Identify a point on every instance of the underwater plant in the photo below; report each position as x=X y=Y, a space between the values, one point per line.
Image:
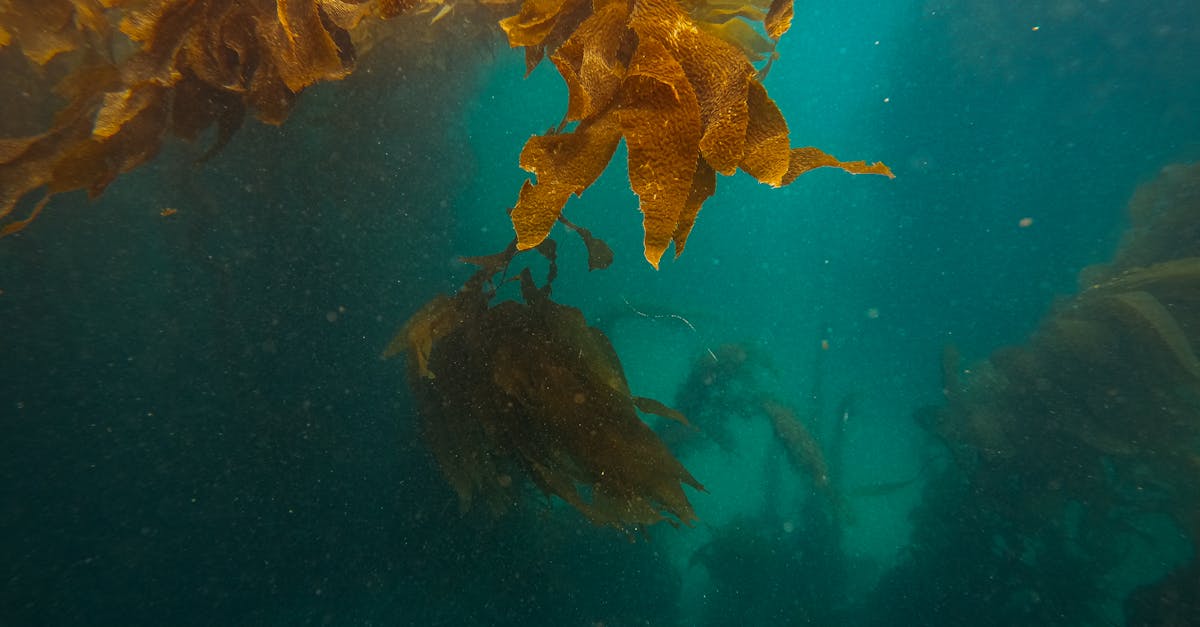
x=734 y=381
x=1065 y=445
x=520 y=392
x=675 y=80
x=510 y=391
x=140 y=69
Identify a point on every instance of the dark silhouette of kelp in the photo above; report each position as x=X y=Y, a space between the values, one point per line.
x=525 y=391
x=733 y=382
x=744 y=558
x=1064 y=446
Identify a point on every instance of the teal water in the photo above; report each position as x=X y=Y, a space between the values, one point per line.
x=198 y=428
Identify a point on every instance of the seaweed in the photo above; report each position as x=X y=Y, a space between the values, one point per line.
x=802 y=449
x=676 y=81
x=525 y=392
x=733 y=382
x=723 y=384
x=1063 y=443
x=189 y=66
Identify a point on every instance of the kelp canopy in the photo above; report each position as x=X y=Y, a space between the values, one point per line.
x=139 y=69
x=525 y=391
x=675 y=79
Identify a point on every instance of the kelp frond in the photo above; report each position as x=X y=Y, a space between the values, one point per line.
x=191 y=65
x=526 y=392
x=677 y=82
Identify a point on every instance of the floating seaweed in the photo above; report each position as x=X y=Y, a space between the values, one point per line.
x=525 y=391
x=676 y=81
x=191 y=65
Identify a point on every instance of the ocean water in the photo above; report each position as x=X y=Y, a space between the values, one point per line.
x=198 y=428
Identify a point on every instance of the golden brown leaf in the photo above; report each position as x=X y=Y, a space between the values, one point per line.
x=718 y=71
x=592 y=61
x=347 y=15
x=304 y=47
x=802 y=449
x=779 y=18
x=17 y=225
x=565 y=164
x=740 y=33
x=703 y=185
x=1141 y=310
x=12 y=148
x=720 y=11
x=768 y=152
x=45 y=29
x=809 y=158
x=119 y=107
x=534 y=22
x=95 y=163
x=660 y=119
x=436 y=319
x=651 y=406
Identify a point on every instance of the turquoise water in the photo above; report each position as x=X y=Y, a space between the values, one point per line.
x=198 y=428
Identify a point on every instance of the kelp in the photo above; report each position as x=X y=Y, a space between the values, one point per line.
x=1093 y=424
x=803 y=452
x=722 y=385
x=676 y=81
x=733 y=382
x=1162 y=230
x=523 y=392
x=167 y=67
x=44 y=29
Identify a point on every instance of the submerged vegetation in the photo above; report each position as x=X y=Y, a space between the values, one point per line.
x=526 y=390
x=509 y=392
x=1077 y=445
x=131 y=71
x=1060 y=460
x=675 y=80
x=678 y=86
x=733 y=382
x=520 y=392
